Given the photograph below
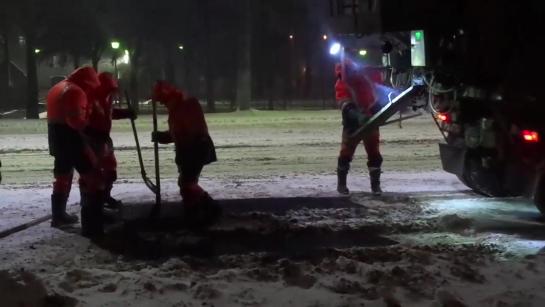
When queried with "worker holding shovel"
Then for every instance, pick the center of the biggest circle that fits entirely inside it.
(99, 129)
(194, 149)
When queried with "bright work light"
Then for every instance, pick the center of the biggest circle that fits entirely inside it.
(335, 49)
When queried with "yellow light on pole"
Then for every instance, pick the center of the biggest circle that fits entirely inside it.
(115, 46)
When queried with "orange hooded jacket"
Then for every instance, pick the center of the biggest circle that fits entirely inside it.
(69, 101)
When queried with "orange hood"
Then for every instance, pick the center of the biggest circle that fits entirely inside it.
(86, 78)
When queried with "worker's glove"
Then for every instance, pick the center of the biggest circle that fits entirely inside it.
(155, 136)
(361, 118)
(353, 117)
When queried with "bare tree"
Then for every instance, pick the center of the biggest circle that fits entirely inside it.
(4, 56)
(29, 19)
(209, 66)
(244, 74)
(75, 30)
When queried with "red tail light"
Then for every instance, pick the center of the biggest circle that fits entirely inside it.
(530, 136)
(444, 117)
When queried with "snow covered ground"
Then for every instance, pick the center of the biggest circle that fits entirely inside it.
(403, 249)
(427, 242)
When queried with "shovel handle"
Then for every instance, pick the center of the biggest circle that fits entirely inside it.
(157, 207)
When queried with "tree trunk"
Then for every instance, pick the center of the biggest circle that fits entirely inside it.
(270, 83)
(292, 82)
(188, 84)
(133, 88)
(77, 60)
(270, 103)
(95, 58)
(170, 74)
(323, 85)
(210, 99)
(4, 70)
(32, 77)
(244, 75)
(133, 78)
(268, 58)
(94, 62)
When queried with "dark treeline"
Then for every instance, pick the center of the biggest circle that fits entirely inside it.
(230, 51)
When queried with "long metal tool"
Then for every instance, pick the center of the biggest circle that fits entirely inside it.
(147, 181)
(156, 211)
(401, 118)
(402, 101)
(24, 226)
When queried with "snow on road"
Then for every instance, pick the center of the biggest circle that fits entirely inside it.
(417, 246)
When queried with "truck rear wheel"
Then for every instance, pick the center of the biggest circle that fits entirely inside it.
(482, 180)
(465, 180)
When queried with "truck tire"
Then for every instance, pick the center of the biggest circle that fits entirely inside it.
(468, 183)
(539, 195)
(487, 182)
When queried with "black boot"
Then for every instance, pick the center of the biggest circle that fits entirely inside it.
(341, 183)
(343, 166)
(92, 219)
(112, 203)
(203, 214)
(109, 201)
(58, 211)
(212, 208)
(374, 174)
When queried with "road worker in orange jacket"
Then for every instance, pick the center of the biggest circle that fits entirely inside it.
(69, 105)
(99, 129)
(355, 96)
(194, 149)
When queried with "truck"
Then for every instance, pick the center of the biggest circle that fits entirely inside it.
(483, 72)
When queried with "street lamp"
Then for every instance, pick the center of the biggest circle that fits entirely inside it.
(325, 37)
(291, 36)
(37, 50)
(362, 52)
(181, 47)
(115, 46)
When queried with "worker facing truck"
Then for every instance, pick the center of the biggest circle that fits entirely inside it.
(355, 96)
